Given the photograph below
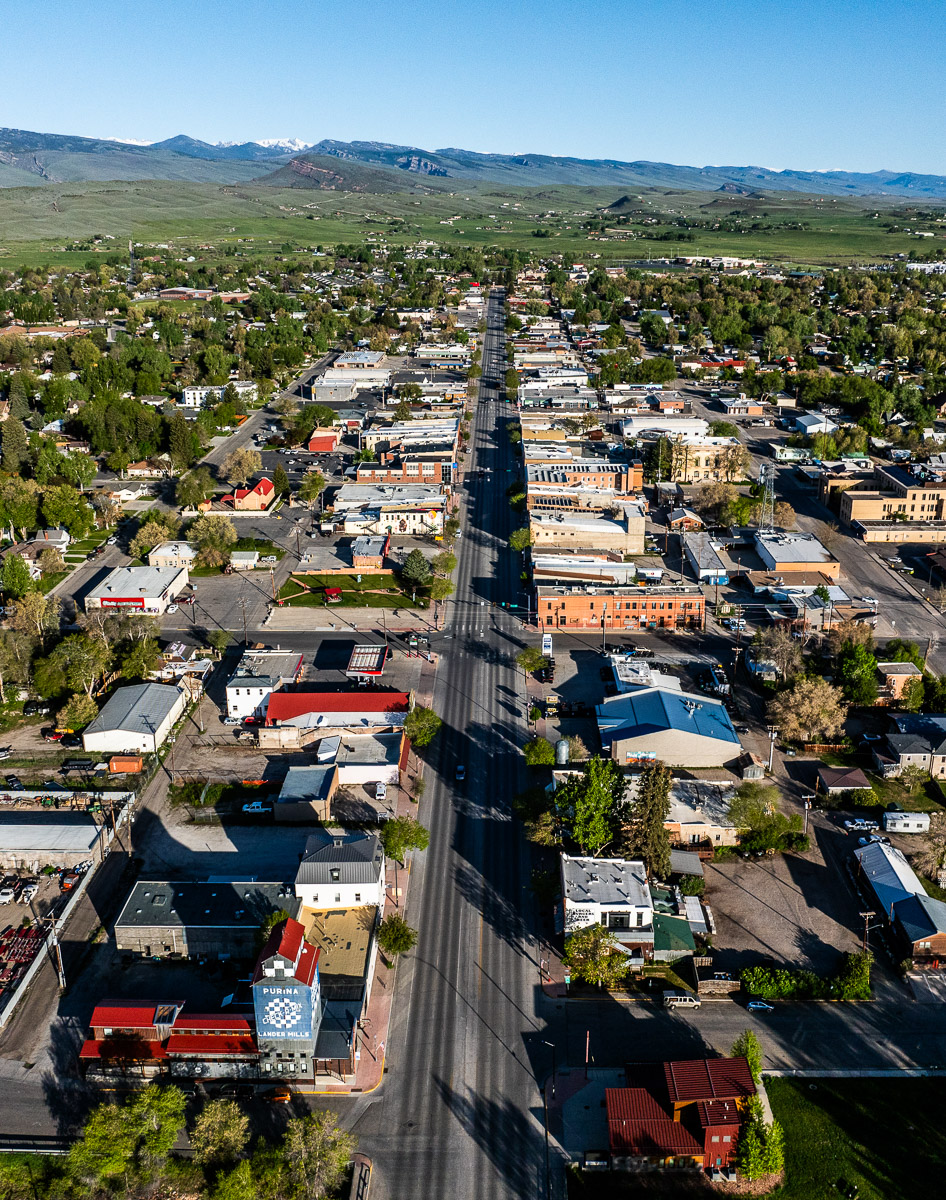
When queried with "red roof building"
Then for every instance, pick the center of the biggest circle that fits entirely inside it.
(339, 707)
(679, 1114)
(254, 499)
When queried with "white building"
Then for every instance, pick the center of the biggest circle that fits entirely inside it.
(341, 870)
(197, 395)
(258, 674)
(147, 589)
(135, 719)
(605, 891)
(173, 554)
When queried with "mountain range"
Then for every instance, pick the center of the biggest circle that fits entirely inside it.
(28, 159)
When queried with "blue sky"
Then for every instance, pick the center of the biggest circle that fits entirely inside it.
(779, 83)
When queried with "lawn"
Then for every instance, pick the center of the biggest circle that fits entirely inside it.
(886, 1136)
(373, 591)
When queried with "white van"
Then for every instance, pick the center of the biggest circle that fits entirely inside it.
(681, 1000)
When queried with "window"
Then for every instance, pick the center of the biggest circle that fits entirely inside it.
(357, 897)
(335, 874)
(338, 897)
(726, 1137)
(715, 1137)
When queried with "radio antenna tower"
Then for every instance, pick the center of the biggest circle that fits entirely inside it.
(767, 479)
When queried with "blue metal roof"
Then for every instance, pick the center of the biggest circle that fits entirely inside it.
(656, 709)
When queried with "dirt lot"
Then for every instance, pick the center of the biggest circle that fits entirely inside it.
(796, 910)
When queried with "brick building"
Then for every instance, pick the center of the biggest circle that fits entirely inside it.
(620, 608)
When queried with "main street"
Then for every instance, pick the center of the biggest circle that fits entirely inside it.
(459, 1111)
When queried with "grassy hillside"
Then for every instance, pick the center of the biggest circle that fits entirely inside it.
(320, 172)
(36, 222)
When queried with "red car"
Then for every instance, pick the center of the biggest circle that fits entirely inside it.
(251, 720)
(53, 735)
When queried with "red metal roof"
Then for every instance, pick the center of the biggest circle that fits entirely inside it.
(208, 1045)
(288, 940)
(283, 706)
(719, 1113)
(123, 1016)
(142, 1050)
(204, 1023)
(708, 1079)
(639, 1127)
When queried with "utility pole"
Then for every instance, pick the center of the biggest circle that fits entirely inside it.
(242, 604)
(773, 734)
(866, 917)
(604, 613)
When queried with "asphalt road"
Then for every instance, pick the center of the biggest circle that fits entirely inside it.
(459, 1113)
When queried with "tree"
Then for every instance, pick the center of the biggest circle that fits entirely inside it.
(395, 936)
(415, 571)
(50, 560)
(531, 658)
(589, 804)
(403, 834)
(312, 486)
(19, 505)
(784, 515)
(512, 382)
(140, 659)
(16, 651)
(440, 589)
(129, 1141)
(64, 506)
(15, 445)
(317, 1153)
(78, 712)
(421, 726)
(592, 954)
(645, 834)
(914, 691)
(444, 563)
(520, 539)
(747, 1046)
(240, 465)
(809, 711)
(761, 1149)
(158, 528)
(194, 488)
(36, 615)
(82, 661)
(931, 857)
(857, 672)
(237, 1184)
(78, 469)
(539, 752)
(220, 639)
(713, 497)
(16, 578)
(784, 650)
(281, 481)
(403, 412)
(213, 534)
(220, 1133)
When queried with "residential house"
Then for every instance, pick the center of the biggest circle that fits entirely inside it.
(833, 781)
(896, 680)
(917, 921)
(914, 740)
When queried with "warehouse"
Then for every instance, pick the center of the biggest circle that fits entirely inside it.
(135, 719)
(199, 918)
(650, 723)
(148, 589)
(33, 840)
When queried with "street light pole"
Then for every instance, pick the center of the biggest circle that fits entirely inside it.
(773, 734)
(604, 613)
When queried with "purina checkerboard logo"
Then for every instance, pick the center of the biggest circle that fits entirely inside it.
(283, 1013)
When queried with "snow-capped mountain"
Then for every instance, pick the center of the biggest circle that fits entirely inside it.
(291, 145)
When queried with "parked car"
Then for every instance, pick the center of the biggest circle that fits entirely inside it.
(29, 892)
(251, 721)
(6, 752)
(681, 1000)
(460, 773)
(760, 1006)
(13, 782)
(257, 807)
(7, 895)
(37, 708)
(380, 791)
(231, 720)
(112, 541)
(281, 1094)
(873, 837)
(172, 608)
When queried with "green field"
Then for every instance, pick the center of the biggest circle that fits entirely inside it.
(38, 223)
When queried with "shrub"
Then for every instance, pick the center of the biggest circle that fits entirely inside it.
(692, 885)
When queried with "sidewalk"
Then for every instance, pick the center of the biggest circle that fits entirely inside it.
(372, 1032)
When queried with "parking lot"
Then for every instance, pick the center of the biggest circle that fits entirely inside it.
(793, 910)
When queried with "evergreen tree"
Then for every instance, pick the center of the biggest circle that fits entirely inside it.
(180, 442)
(747, 1046)
(15, 444)
(416, 570)
(647, 836)
(62, 363)
(280, 481)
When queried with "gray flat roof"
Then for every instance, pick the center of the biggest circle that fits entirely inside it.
(197, 903)
(306, 784)
(69, 833)
(134, 581)
(605, 881)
